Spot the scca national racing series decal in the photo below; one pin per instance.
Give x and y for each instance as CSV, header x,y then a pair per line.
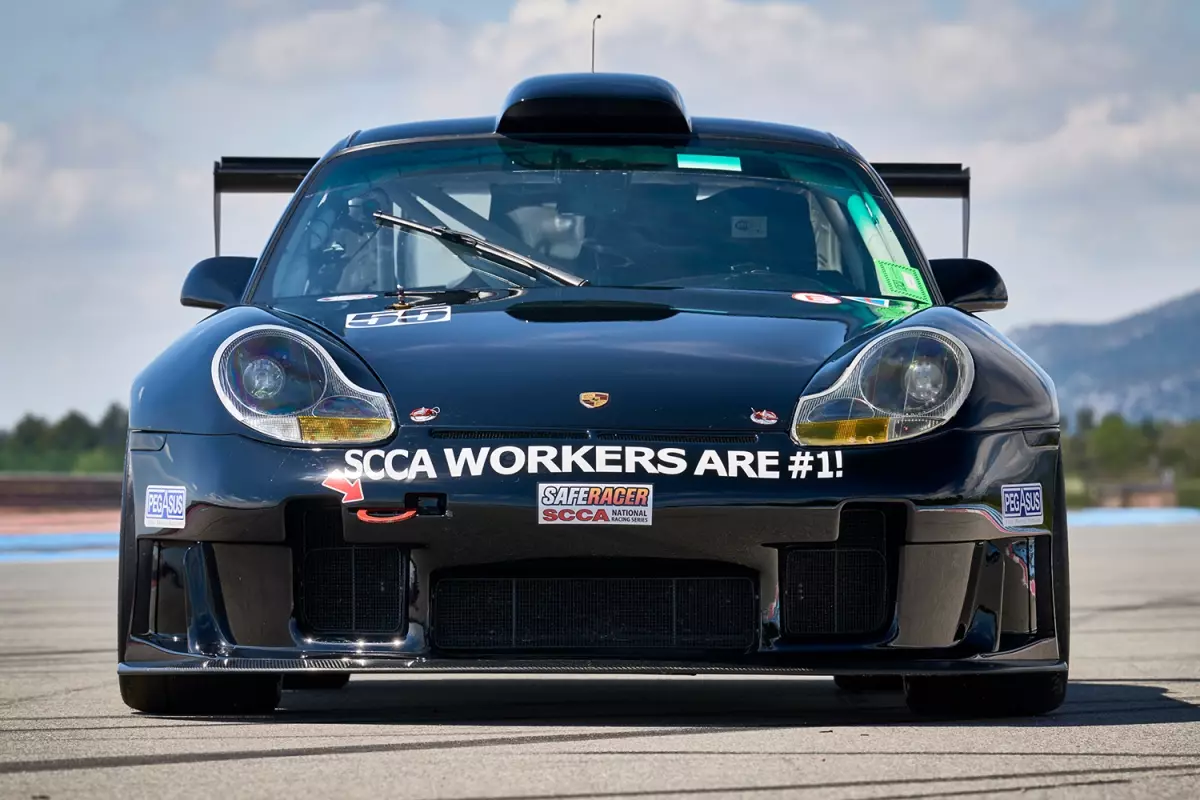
x,y
398,316
1021,504
595,504
165,506
404,465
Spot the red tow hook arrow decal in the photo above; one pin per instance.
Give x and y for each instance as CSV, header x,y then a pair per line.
x,y
351,490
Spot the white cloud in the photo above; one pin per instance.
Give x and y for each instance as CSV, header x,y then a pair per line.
x,y
369,41
58,189
784,60
1097,138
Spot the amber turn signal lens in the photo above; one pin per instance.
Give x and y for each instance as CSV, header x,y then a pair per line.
x,y
870,430
343,429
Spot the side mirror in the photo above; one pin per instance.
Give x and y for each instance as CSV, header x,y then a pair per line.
x,y
969,284
217,282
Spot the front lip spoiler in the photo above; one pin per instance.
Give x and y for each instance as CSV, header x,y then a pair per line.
x,y
1039,656
584,666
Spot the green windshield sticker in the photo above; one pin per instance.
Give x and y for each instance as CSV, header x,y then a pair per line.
x,y
727,163
902,280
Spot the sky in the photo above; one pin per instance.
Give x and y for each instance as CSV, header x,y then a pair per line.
x,y
1079,119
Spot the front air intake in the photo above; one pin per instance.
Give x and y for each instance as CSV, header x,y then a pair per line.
x,y
586,612
342,588
844,591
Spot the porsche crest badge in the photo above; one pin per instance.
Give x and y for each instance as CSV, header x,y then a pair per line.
x,y
593,399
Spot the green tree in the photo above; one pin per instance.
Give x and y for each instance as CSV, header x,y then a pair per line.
x,y
72,444
73,433
1179,448
99,459
1118,449
113,427
30,433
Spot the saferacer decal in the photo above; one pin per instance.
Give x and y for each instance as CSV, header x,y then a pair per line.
x,y
595,504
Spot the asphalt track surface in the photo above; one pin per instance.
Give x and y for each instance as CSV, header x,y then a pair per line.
x,y
1130,727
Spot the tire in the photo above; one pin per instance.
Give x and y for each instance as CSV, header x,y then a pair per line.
x,y
201,695
315,680
972,696
869,683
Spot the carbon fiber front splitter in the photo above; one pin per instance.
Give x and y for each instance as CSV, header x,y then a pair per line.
x,y
1040,656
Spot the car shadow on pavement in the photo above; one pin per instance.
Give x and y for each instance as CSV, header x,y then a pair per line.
x,y
691,702
634,711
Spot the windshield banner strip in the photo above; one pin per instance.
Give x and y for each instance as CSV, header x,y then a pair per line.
x,y
693,161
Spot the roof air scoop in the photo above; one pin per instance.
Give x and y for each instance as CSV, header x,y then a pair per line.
x,y
595,103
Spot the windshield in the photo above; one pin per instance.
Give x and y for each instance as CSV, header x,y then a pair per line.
x,y
713,214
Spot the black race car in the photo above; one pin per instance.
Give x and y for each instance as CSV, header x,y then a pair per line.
x,y
593,386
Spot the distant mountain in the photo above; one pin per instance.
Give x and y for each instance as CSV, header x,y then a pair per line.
x,y
1143,366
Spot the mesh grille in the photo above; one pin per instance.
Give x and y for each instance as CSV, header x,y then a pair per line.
x,y
841,590
353,590
594,613
329,589
378,589
479,612
342,588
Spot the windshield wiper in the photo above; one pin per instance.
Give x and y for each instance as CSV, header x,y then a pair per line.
x,y
483,248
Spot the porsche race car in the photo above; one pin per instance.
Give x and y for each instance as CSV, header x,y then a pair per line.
x,y
593,385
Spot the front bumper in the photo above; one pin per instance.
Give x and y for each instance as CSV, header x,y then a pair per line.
x,y
229,590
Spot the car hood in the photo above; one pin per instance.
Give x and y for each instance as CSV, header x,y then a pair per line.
x,y
687,360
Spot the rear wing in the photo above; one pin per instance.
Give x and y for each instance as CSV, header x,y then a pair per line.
x,y
945,181
252,175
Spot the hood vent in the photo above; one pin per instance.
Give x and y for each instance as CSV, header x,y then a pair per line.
x,y
445,433
582,311
678,438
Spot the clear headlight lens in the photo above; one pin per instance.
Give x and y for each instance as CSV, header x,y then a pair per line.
x,y
283,383
901,385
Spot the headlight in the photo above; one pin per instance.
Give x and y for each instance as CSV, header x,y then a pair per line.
x,y
901,385
281,382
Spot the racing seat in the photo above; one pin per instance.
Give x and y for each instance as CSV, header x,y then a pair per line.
x,y
766,227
